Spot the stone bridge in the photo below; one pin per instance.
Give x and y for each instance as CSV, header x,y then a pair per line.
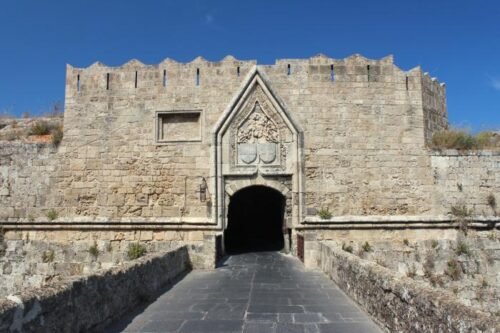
x,y
250,292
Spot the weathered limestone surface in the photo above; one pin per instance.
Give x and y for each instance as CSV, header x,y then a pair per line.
x,y
32,259
400,304
25,172
361,128
474,258
364,142
87,303
466,178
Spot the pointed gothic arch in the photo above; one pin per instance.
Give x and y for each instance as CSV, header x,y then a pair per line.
x,y
257,142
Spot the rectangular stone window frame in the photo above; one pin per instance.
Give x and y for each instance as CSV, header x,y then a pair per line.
x,y
159,130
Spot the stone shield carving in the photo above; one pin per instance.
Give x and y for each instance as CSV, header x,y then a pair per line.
x,y
267,152
247,152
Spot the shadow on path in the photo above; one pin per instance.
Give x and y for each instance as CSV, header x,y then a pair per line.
x,y
252,292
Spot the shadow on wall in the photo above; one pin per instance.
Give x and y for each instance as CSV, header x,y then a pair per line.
x,y
98,299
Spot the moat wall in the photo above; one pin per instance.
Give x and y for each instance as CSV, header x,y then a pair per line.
x,y
88,303
33,259
408,305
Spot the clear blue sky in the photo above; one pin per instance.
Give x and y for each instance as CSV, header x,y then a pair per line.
x,y
457,41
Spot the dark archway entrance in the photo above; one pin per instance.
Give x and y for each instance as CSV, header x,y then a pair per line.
x,y
255,220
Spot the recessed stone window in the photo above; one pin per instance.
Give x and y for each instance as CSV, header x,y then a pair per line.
x,y
175,126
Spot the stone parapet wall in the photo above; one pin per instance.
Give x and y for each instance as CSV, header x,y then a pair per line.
x,y
400,304
466,178
434,106
37,258
87,303
25,179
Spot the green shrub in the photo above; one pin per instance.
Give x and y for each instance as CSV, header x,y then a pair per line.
x,y
52,214
325,214
453,139
453,269
462,140
3,246
429,265
434,243
48,256
94,251
366,247
462,248
406,242
461,211
347,248
492,201
135,251
57,135
40,127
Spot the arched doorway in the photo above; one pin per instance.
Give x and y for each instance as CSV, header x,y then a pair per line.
x,y
255,220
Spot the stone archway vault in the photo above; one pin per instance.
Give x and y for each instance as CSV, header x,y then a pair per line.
x,y
256,216
257,142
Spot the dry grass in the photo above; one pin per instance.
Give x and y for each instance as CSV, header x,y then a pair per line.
x,y
32,130
454,269
463,140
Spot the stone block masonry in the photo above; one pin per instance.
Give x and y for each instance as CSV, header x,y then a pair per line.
x,y
466,179
139,141
30,259
25,176
362,123
88,303
400,304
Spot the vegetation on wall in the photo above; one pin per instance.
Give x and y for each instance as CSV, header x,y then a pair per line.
x,y
3,246
135,251
347,248
324,214
462,140
94,251
52,214
462,214
48,123
48,256
492,202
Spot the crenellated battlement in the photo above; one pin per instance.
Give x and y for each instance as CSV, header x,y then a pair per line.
x,y
202,73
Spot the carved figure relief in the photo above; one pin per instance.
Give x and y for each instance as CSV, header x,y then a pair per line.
x,y
259,129
257,137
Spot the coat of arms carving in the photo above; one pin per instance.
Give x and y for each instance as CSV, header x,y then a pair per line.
x,y
257,137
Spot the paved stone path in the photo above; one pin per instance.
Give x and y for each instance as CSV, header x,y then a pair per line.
x,y
255,292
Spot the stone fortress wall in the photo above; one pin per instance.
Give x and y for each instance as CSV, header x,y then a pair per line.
x,y
139,143
25,171
364,126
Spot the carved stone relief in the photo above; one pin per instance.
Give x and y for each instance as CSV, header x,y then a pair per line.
x,y
257,138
